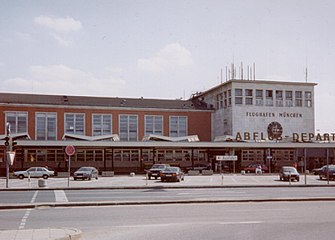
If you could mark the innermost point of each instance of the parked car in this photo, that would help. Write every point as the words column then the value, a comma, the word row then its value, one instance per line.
column 35, row 172
column 286, row 173
column 172, row 174
column 318, row 171
column 199, row 167
column 252, row 168
column 156, row 169
column 327, row 171
column 86, row 173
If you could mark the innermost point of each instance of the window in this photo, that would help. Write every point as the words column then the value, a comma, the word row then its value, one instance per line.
column 75, row 123
column 248, row 97
column 154, row 125
column 178, row 126
column 279, row 98
column 259, row 97
column 102, row 124
column 18, row 121
column 128, row 127
column 288, row 98
column 219, row 101
column 238, row 96
column 269, row 97
column 308, row 99
column 229, row 97
column 225, row 104
column 46, row 126
column 298, row 98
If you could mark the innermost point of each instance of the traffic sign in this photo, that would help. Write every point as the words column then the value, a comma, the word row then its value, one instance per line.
column 70, row 150
column 226, row 158
column 11, row 155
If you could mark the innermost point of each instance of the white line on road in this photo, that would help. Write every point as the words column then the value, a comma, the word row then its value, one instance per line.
column 27, row 213
column 60, row 196
column 231, row 223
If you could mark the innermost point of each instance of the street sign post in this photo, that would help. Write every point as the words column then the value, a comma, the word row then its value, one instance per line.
column 69, row 150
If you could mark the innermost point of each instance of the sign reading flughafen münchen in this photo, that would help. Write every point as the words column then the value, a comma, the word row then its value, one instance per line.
column 273, row 114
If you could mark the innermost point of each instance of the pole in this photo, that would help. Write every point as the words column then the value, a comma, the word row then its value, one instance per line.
column 8, row 148
column 69, row 172
column 327, row 156
column 7, row 168
column 305, row 160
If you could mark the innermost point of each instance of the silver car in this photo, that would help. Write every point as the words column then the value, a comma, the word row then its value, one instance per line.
column 34, row 172
column 86, row 173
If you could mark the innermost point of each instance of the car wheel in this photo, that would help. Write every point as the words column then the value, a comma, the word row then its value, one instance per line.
column 21, row 176
column 75, row 179
column 156, row 178
column 298, row 179
column 96, row 178
column 45, row 176
column 89, row 178
column 320, row 177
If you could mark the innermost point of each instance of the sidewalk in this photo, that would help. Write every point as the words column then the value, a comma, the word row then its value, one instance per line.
column 140, row 181
column 41, row 234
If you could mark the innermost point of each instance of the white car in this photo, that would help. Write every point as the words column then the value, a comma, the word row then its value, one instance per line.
column 34, row 172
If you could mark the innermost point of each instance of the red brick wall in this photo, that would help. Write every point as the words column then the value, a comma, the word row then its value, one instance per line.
column 199, row 123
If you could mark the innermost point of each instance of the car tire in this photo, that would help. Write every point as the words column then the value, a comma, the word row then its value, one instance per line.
column 21, row 176
column 156, row 178
column 89, row 178
column 45, row 176
column 96, row 178
column 297, row 179
column 75, row 179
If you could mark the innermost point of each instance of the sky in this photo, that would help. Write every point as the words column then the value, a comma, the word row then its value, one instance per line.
column 166, row 49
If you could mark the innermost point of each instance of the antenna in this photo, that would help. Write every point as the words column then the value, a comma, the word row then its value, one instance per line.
column 306, row 74
column 254, row 71
column 221, row 75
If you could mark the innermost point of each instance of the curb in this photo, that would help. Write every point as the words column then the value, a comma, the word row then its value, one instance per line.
column 164, row 187
column 129, row 203
column 48, row 233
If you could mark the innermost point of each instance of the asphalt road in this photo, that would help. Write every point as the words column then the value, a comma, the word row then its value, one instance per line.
column 152, row 195
column 270, row 220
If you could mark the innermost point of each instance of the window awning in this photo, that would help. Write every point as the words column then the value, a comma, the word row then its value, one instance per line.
column 153, row 137
column 111, row 137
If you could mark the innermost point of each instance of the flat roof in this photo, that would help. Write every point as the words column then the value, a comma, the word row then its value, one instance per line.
column 91, row 101
column 256, row 82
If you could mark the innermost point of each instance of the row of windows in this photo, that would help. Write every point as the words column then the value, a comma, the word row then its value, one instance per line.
column 119, row 155
column 259, row 97
column 74, row 123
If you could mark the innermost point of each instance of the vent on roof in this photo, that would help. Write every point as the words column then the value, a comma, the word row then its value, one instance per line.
column 123, row 102
column 65, row 99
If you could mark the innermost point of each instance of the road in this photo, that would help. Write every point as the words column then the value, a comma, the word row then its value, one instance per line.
column 266, row 220
column 152, row 195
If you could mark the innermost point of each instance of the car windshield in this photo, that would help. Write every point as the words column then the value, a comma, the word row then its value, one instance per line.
column 84, row 169
column 292, row 170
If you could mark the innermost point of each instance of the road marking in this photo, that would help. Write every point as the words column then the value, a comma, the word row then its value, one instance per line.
column 27, row 213
column 60, row 196
column 34, row 197
column 232, row 223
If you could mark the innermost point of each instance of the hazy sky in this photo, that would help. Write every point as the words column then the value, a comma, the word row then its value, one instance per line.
column 165, row 49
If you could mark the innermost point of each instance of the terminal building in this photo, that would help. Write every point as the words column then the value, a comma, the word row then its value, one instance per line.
column 256, row 121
